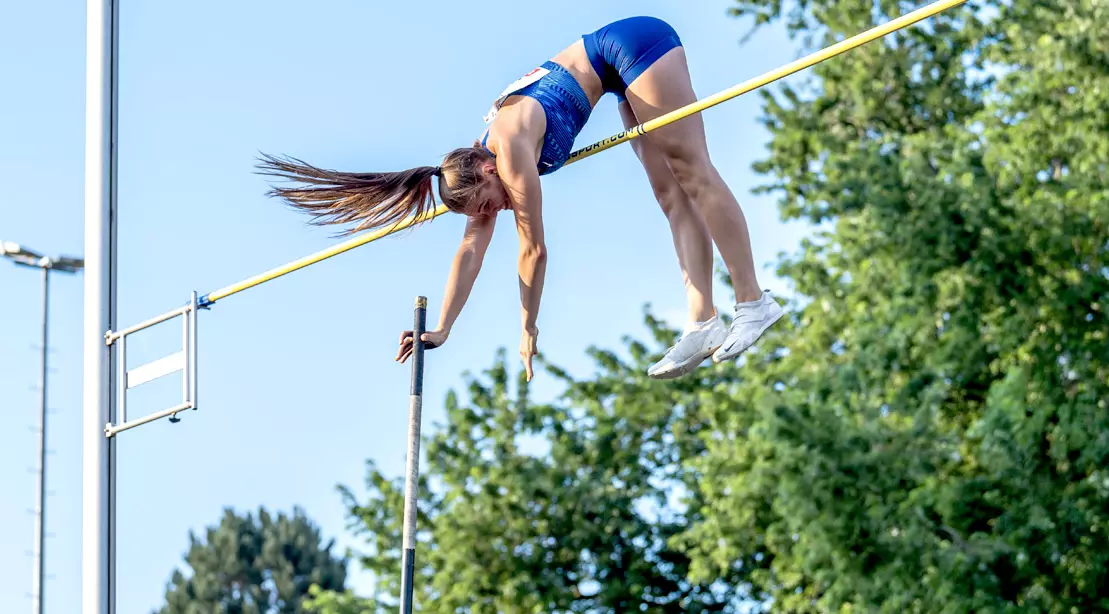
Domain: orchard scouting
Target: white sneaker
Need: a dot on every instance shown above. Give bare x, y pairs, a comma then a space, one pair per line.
751, 321
698, 341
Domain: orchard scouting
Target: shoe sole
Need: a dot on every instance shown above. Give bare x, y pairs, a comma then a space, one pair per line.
688, 368
762, 330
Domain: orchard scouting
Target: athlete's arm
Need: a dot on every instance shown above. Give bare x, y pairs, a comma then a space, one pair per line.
465, 268
516, 165
464, 271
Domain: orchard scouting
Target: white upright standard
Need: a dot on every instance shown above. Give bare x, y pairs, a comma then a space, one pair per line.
99, 458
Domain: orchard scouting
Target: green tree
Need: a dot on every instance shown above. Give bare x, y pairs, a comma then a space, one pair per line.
927, 433
561, 507
254, 565
933, 434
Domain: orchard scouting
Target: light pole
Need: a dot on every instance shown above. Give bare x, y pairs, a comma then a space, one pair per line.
64, 264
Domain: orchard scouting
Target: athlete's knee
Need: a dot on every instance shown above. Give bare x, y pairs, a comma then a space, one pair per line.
671, 198
693, 172
682, 149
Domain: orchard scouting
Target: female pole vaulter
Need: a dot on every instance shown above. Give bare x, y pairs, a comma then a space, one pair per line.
531, 131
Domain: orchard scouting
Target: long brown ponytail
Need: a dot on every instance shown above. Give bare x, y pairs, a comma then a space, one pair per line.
372, 200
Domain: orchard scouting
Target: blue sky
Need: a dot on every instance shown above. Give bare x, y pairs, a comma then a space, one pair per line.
297, 385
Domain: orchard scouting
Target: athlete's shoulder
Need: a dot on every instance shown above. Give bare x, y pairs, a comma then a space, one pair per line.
527, 79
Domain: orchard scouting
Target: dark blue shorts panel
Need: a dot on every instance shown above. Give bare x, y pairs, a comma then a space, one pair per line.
622, 50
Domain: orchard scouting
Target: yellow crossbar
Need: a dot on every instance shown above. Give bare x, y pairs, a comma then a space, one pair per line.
843, 46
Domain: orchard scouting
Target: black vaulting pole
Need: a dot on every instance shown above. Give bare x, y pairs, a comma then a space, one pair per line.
411, 484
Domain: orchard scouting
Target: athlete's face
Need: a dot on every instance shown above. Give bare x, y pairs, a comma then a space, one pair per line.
491, 199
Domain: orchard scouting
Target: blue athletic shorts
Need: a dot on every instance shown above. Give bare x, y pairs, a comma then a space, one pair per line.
622, 50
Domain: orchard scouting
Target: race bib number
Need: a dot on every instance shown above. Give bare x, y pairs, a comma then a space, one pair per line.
515, 86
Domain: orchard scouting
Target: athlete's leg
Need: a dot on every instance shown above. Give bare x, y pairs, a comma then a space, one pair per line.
703, 332
662, 88
691, 236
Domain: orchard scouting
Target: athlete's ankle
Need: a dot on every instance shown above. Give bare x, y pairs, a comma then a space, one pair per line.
703, 314
748, 295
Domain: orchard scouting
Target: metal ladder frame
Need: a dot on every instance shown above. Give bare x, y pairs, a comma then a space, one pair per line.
184, 361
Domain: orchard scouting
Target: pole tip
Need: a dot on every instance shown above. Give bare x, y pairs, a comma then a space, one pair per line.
421, 302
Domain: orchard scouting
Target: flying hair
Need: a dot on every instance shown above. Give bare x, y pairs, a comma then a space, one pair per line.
364, 201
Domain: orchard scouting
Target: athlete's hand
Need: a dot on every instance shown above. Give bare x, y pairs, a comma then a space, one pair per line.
528, 349
432, 339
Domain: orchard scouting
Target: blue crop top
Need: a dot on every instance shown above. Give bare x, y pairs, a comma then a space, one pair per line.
566, 107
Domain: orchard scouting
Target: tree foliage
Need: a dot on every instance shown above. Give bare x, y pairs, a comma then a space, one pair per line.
927, 432
934, 436
559, 507
251, 564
